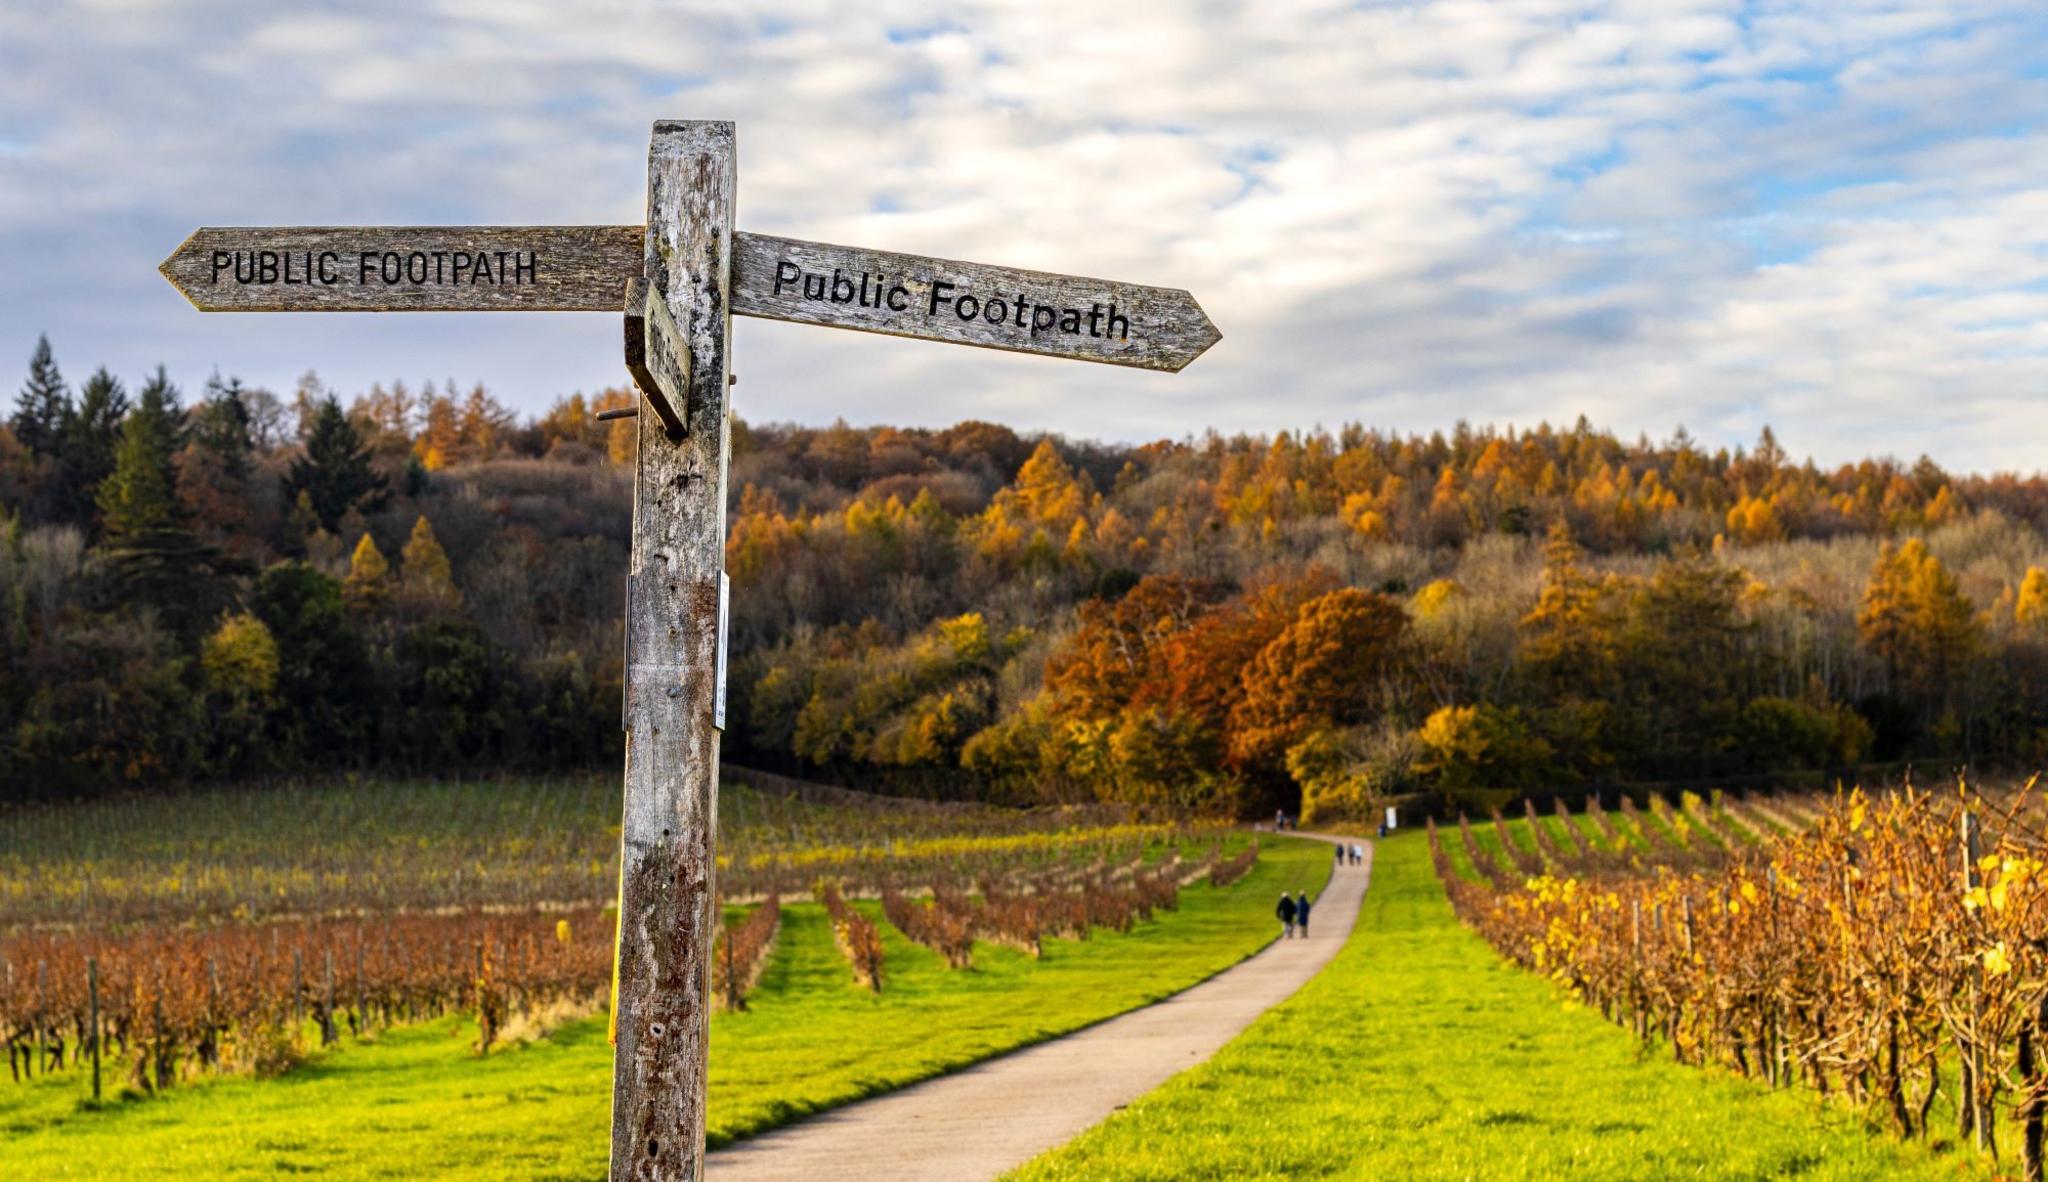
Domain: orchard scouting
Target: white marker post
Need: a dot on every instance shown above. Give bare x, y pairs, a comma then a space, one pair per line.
679, 280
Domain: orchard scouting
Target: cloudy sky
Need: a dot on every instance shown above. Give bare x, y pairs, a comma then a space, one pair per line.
1826, 215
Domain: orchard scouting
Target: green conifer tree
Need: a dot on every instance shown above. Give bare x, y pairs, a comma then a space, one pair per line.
43, 404
335, 473
153, 557
221, 426
139, 497
91, 435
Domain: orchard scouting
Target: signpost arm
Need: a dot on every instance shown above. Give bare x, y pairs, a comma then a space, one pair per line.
666, 893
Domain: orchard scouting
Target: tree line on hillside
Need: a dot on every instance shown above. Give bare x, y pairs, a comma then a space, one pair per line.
250, 583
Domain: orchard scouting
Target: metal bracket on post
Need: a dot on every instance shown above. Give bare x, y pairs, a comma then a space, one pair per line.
657, 357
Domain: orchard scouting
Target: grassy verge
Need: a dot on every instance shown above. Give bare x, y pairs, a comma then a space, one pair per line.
418, 1104
1419, 1054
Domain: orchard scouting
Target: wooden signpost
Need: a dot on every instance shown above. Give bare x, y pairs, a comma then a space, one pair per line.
588, 268
678, 280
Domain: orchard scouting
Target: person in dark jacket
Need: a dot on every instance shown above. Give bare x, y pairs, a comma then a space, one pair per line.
1301, 912
1286, 913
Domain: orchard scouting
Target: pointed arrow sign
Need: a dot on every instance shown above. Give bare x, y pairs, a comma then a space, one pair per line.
968, 303
407, 268
586, 269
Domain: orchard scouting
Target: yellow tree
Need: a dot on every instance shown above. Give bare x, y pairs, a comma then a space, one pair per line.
368, 573
239, 665
439, 442
428, 577
239, 658
622, 436
2031, 608
1043, 503
1755, 519
483, 421
570, 420
1915, 617
1570, 636
384, 418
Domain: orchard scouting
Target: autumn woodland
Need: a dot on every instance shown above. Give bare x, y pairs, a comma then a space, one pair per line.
206, 581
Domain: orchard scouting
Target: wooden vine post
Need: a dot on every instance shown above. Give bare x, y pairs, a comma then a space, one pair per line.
92, 995
1973, 1112
679, 280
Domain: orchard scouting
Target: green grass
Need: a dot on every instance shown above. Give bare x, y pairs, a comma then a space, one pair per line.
1560, 832
1598, 840
1420, 1054
1487, 838
1649, 828
1739, 835
418, 1104
1634, 839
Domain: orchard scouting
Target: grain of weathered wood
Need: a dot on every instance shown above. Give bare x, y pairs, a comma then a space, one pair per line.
406, 268
968, 303
671, 784
656, 357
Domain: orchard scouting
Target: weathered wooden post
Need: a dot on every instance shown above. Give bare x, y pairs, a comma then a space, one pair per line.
328, 1035
1973, 1111
2030, 1107
1640, 1018
92, 1003
44, 1026
675, 587
1678, 1012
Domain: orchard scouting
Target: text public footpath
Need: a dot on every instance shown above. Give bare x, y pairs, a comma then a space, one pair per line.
1015, 309
417, 268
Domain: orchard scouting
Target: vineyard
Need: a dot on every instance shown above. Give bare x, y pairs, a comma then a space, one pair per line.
238, 943
1889, 950
168, 1002
325, 847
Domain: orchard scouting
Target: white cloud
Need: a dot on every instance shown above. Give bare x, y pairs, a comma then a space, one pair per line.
1821, 213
